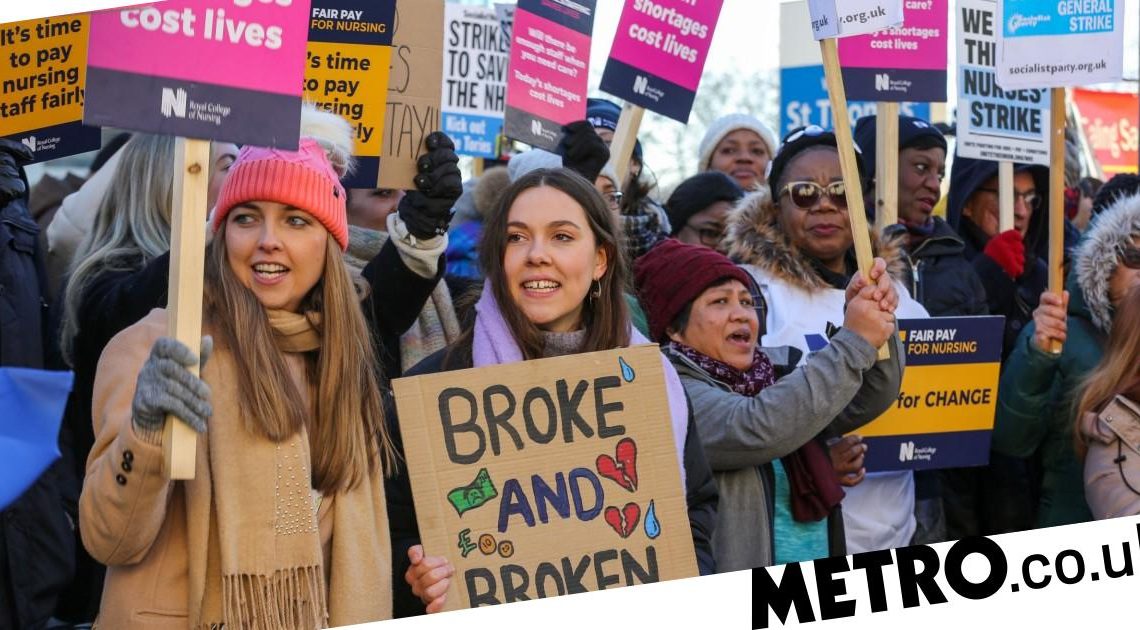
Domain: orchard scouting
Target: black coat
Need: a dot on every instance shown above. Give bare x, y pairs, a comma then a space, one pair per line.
37, 539
700, 488
939, 276
115, 300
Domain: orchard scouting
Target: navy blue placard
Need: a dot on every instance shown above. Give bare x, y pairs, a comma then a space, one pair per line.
577, 15
895, 85
647, 90
356, 22
924, 451
50, 143
953, 340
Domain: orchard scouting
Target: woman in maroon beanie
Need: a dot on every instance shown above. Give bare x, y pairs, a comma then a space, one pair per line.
778, 491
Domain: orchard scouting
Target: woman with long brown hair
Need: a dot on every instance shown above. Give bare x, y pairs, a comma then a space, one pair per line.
555, 281
285, 524
1108, 427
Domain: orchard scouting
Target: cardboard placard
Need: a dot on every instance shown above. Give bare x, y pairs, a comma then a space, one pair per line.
209, 69
547, 477
844, 18
803, 95
901, 63
944, 415
548, 70
413, 90
659, 54
41, 95
1112, 124
994, 123
1055, 43
346, 72
475, 55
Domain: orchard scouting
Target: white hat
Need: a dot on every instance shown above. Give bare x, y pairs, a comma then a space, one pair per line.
725, 125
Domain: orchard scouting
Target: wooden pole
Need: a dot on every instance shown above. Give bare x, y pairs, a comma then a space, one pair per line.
625, 137
886, 165
838, 96
184, 308
477, 167
1057, 197
1005, 195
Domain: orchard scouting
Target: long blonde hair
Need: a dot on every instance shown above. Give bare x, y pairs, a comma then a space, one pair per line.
1119, 369
131, 226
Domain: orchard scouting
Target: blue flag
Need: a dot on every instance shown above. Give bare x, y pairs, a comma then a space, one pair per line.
31, 408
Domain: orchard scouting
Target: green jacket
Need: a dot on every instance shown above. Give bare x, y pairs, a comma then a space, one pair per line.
1035, 409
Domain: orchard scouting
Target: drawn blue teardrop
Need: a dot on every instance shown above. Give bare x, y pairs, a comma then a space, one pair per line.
627, 372
652, 525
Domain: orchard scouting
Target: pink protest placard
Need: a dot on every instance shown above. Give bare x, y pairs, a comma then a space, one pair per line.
901, 63
548, 69
659, 53
212, 69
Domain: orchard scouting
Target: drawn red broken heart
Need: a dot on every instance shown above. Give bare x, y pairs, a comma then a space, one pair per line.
624, 521
623, 471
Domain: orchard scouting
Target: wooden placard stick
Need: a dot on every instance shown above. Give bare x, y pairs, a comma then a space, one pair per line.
477, 167
838, 96
625, 137
187, 247
886, 165
1057, 196
1005, 195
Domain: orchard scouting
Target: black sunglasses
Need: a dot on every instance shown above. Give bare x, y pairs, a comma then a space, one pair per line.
1129, 256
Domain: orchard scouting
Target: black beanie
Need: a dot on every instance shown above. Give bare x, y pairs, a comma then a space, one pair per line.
799, 140
697, 193
911, 131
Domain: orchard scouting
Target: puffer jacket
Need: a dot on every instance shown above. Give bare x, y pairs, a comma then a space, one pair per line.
742, 435
37, 541
938, 275
1036, 396
800, 299
1014, 299
1112, 465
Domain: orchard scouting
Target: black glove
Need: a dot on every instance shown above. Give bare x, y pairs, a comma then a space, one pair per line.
13, 155
427, 210
583, 150
165, 386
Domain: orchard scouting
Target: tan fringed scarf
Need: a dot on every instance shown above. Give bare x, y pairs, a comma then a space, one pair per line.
263, 539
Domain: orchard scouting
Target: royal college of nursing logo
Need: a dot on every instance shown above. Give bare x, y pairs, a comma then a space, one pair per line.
175, 103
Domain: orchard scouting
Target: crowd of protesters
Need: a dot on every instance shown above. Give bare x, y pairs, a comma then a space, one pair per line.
316, 297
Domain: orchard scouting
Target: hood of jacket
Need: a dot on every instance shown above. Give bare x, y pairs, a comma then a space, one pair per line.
754, 237
968, 174
1097, 257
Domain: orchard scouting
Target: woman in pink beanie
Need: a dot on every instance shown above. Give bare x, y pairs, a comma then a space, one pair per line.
286, 523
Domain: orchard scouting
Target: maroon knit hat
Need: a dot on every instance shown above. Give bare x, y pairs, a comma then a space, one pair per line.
672, 274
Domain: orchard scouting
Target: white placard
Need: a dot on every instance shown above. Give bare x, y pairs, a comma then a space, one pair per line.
1055, 43
844, 18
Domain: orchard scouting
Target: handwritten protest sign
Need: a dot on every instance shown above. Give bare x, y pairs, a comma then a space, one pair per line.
346, 72
1054, 43
547, 477
803, 92
1112, 124
211, 69
659, 53
995, 123
474, 79
845, 18
44, 66
944, 414
413, 90
901, 63
549, 67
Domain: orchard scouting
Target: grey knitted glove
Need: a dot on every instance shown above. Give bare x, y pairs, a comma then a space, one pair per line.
165, 386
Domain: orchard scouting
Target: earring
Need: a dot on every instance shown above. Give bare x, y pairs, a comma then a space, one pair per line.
596, 291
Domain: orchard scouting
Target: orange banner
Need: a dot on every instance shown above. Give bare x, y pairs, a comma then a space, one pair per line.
1112, 125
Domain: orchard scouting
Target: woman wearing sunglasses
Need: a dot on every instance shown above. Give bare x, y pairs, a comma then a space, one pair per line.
797, 245
1038, 388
